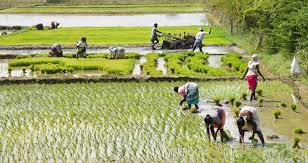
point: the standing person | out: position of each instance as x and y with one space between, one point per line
215 121
251 74
249 121
190 94
82 48
199 38
154 36
56 51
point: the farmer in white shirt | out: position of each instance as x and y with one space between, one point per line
199 37
82 48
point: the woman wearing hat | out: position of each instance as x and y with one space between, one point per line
251 75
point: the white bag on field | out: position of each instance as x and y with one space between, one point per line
295 68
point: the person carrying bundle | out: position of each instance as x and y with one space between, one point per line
190 93
82 48
217 120
56 51
249 121
199 38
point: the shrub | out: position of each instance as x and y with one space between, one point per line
283 104
259 92
238 103
298 131
244 96
296 143
293 107
231 99
276 113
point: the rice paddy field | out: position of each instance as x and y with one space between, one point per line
108 9
105 36
120 122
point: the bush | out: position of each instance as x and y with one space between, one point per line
244 96
298 131
276 113
293 107
238 103
259 92
283 104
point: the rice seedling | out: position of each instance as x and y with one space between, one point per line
238 103
294 107
259 92
296 143
10 70
24 70
276 113
260 103
231 99
194 110
283 104
217 101
244 96
298 131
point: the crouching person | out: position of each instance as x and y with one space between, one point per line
190 94
82 48
56 51
215 121
249 121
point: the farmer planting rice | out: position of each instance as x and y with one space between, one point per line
199 38
190 93
154 36
217 120
56 51
82 48
249 121
251 74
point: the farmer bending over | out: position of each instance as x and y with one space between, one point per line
56 51
251 74
82 48
199 38
190 93
249 121
154 36
216 121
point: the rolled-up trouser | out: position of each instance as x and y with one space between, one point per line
153 39
192 96
198 43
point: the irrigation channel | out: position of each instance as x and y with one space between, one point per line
74 20
214 59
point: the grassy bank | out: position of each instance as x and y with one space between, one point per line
108 9
104 36
117 121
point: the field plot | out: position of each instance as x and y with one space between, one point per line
115 121
105 36
108 9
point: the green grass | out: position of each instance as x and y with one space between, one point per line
108 66
108 9
104 36
115 121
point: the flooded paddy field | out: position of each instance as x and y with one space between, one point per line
138 121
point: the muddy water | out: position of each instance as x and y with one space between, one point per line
137 70
214 61
15 72
104 20
141 50
230 125
161 65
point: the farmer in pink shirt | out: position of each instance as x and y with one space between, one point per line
190 93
